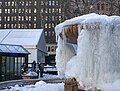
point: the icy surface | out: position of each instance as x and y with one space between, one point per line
97 60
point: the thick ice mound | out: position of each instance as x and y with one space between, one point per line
97 60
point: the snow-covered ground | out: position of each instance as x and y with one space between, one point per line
39 86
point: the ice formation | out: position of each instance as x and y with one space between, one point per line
97 58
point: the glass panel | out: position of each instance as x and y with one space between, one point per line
3 48
7 68
11 67
0 50
3 68
12 49
19 66
20 49
16 66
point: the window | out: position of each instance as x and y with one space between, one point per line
26 3
46 25
12 26
35 18
13 3
22 25
19 11
53 10
18 25
49 10
0 26
12 10
102 6
46 11
26 10
22 18
50 3
5 3
8 10
49 25
29 10
26 18
52 48
29 25
35 10
30 3
98 6
15 25
15 18
15 10
46 3
53 25
4 25
49 33
48 48
0 10
46 18
53 3
8 3
56 2
59 18
45 33
42 3
5 10
59 10
8 18
8 25
29 18
0 18
53 33
53 18
0 3
34 25
42 10
35 3
22 3
4 18
12 18
19 18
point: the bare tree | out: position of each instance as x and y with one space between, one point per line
73 8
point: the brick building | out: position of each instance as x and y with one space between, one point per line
106 7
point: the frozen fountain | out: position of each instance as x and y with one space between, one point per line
96 59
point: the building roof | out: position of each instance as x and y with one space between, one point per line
6 48
28 38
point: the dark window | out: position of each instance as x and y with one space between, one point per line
102 6
98 6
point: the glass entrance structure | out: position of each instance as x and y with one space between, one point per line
12 58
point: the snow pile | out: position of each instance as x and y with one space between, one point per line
31 73
97 60
39 86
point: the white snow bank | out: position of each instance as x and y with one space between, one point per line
31 73
39 86
97 60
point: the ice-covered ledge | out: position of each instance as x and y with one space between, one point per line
97 58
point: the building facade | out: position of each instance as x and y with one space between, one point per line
111 7
33 14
